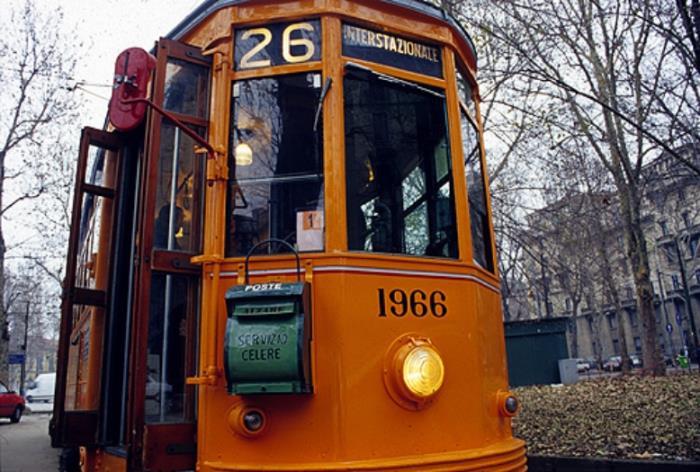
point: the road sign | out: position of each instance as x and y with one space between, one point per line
669 328
15 358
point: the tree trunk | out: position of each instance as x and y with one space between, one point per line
639 259
625 364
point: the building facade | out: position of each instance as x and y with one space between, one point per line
578 267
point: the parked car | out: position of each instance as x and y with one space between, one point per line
153 388
636 361
11 404
593 363
612 363
42 388
582 365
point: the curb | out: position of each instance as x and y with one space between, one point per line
599 464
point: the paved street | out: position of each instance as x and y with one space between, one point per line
25 446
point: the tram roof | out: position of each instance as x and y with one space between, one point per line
208 7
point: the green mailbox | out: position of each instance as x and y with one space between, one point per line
268 332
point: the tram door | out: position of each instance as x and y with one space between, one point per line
165 329
95 294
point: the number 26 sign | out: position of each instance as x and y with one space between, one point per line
277 44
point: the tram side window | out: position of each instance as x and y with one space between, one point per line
170 336
276 164
179 192
186 88
478 214
93 240
400 198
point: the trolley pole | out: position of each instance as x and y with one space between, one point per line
23 372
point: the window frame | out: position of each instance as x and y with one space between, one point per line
233 185
473 121
419 81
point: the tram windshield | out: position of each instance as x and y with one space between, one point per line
400 197
276 164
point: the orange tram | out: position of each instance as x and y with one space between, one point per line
281 254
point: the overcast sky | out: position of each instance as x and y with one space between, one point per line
107 27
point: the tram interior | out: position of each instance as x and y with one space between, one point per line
399 185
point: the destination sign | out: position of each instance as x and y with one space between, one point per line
277 44
392 50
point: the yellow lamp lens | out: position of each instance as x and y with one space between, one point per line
423 371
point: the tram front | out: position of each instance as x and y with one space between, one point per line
315 284
354 141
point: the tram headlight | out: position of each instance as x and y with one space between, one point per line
423 371
413 371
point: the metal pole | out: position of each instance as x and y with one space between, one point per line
688 304
23 372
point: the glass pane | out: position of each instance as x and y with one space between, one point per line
464 91
481 236
91 268
276 163
170 339
179 192
100 167
186 88
415 231
398 174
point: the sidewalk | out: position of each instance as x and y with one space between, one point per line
26 446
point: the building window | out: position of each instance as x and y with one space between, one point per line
612 322
638 344
693 245
623 264
664 227
568 304
633 319
675 282
670 254
616 346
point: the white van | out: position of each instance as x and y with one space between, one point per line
42 388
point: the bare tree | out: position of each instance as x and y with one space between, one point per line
36 61
599 62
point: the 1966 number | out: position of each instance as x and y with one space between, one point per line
418 303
